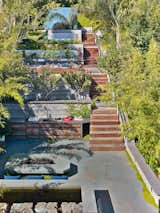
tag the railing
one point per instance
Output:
(123, 118)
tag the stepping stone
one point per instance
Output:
(22, 208)
(41, 207)
(71, 207)
(3, 207)
(66, 207)
(77, 208)
(52, 207)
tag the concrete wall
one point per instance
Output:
(35, 110)
(145, 171)
(147, 174)
(62, 35)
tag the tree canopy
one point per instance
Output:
(131, 36)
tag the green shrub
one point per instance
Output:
(2, 150)
(81, 110)
(47, 177)
(51, 140)
(88, 22)
(86, 137)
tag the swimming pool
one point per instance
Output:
(39, 157)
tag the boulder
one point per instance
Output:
(22, 208)
(3, 207)
(52, 207)
(71, 207)
(41, 207)
(77, 208)
(66, 207)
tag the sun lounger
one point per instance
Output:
(10, 177)
(34, 177)
(60, 177)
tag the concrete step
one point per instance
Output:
(95, 83)
(107, 141)
(107, 148)
(99, 74)
(90, 63)
(99, 78)
(104, 122)
(105, 135)
(92, 70)
(98, 132)
(105, 128)
(104, 108)
(108, 118)
(105, 111)
(93, 58)
(102, 114)
(94, 46)
(88, 38)
(104, 117)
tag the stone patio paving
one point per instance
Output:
(101, 171)
(111, 171)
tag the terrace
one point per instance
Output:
(72, 56)
(45, 147)
(42, 159)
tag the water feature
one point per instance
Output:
(33, 156)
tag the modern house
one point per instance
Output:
(50, 165)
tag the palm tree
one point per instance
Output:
(63, 21)
(10, 88)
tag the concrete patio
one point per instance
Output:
(111, 171)
(102, 171)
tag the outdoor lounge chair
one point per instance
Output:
(10, 177)
(32, 177)
(60, 177)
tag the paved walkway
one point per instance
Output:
(111, 171)
(106, 171)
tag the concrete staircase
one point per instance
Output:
(97, 80)
(91, 51)
(88, 38)
(105, 132)
(91, 54)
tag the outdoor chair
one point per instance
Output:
(59, 177)
(10, 177)
(34, 177)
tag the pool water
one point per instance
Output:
(67, 150)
